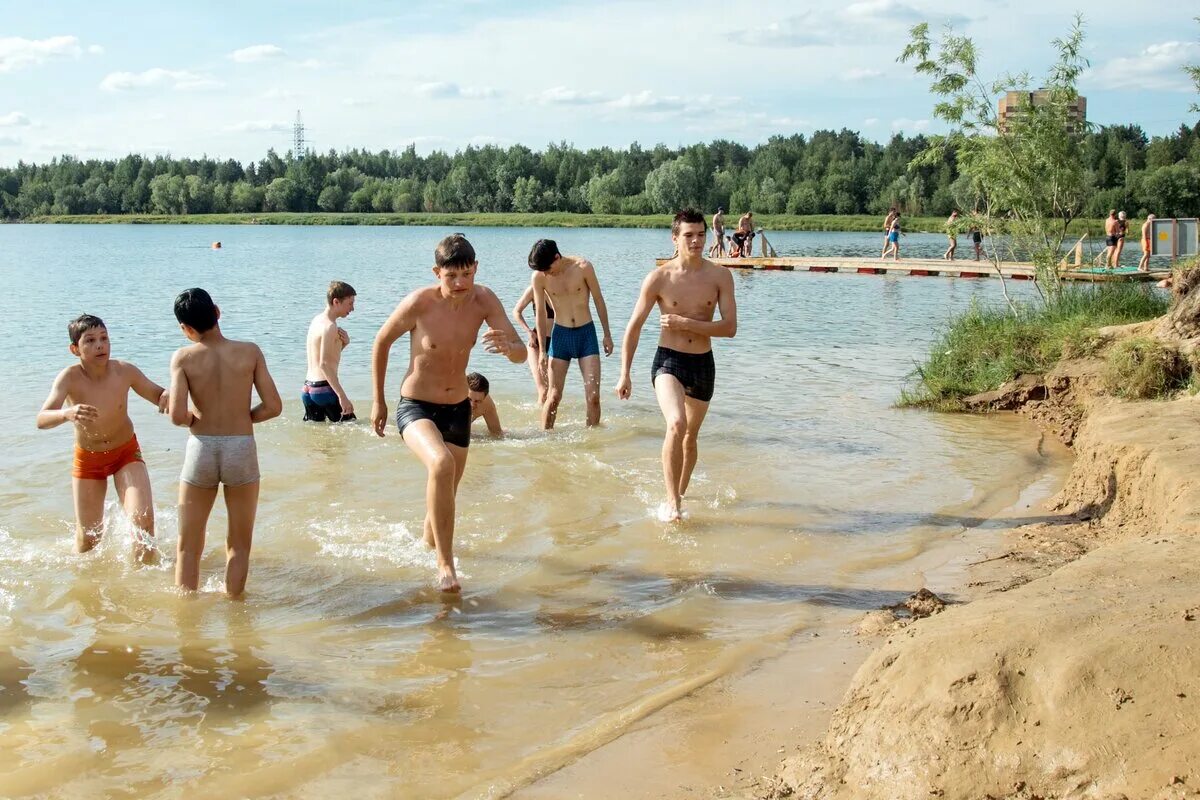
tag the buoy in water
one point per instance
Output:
(216, 245)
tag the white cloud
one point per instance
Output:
(1159, 66)
(8, 141)
(914, 125)
(17, 53)
(13, 119)
(95, 50)
(310, 63)
(257, 52)
(871, 121)
(279, 94)
(156, 78)
(562, 96)
(646, 100)
(861, 74)
(356, 102)
(790, 122)
(259, 126)
(446, 90)
(798, 31)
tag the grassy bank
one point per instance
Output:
(771, 222)
(987, 346)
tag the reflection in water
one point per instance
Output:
(343, 672)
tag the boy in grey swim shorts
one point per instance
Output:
(217, 375)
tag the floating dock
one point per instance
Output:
(927, 267)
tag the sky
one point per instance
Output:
(226, 79)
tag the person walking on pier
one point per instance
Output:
(718, 246)
(892, 245)
(887, 228)
(952, 235)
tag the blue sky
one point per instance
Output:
(226, 79)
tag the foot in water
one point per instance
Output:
(448, 581)
(669, 512)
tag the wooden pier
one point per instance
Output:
(925, 267)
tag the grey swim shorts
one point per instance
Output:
(212, 460)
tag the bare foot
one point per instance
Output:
(669, 512)
(448, 581)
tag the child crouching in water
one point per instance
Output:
(97, 391)
(217, 374)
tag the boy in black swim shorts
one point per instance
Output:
(688, 291)
(434, 413)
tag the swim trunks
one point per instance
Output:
(1146, 245)
(212, 460)
(976, 237)
(100, 465)
(893, 236)
(321, 403)
(1111, 241)
(696, 371)
(567, 343)
(453, 420)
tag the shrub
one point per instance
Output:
(1141, 368)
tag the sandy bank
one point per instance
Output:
(1078, 675)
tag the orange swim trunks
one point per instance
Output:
(1145, 245)
(99, 466)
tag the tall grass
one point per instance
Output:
(984, 347)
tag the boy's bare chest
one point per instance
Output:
(448, 332)
(689, 297)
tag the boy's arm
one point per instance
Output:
(492, 417)
(147, 389)
(593, 283)
(402, 321)
(518, 312)
(270, 405)
(502, 336)
(329, 366)
(53, 414)
(177, 395)
(633, 332)
(726, 326)
(541, 318)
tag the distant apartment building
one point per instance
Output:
(1011, 103)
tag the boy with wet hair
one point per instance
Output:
(434, 412)
(482, 405)
(97, 393)
(323, 396)
(688, 290)
(217, 375)
(568, 283)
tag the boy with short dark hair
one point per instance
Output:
(217, 374)
(323, 396)
(97, 389)
(482, 405)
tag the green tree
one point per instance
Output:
(332, 198)
(282, 194)
(672, 186)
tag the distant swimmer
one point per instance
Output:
(323, 395)
(535, 347)
(482, 405)
(434, 412)
(718, 224)
(216, 245)
(569, 284)
(688, 290)
(96, 391)
(217, 376)
(1147, 232)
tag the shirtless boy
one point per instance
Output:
(718, 226)
(434, 412)
(688, 289)
(1147, 229)
(482, 404)
(568, 282)
(217, 374)
(323, 395)
(97, 391)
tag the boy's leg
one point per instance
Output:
(695, 411)
(539, 380)
(89, 511)
(241, 504)
(133, 489)
(669, 392)
(589, 368)
(460, 466)
(195, 504)
(425, 441)
(556, 379)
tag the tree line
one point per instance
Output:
(827, 172)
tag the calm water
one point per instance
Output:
(343, 669)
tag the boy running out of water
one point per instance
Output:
(96, 391)
(217, 375)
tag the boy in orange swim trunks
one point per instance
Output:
(97, 391)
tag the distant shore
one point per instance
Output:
(855, 223)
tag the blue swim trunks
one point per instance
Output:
(321, 403)
(567, 343)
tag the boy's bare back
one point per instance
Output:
(218, 377)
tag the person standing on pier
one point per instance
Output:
(1111, 229)
(1147, 231)
(688, 290)
(718, 246)
(952, 235)
(1114, 259)
(887, 229)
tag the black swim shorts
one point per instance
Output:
(452, 419)
(1111, 241)
(321, 403)
(696, 371)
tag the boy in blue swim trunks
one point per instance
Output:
(434, 412)
(323, 395)
(688, 290)
(567, 283)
